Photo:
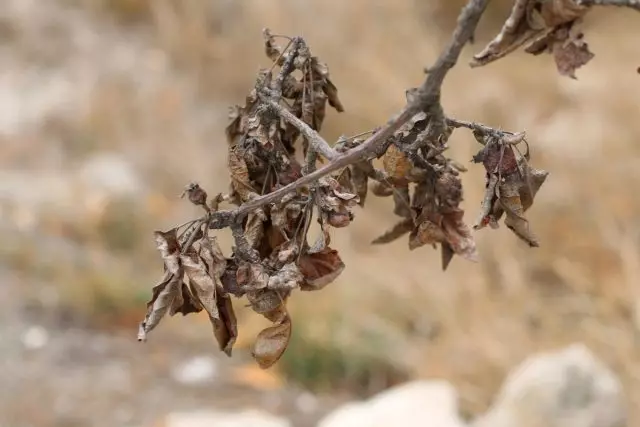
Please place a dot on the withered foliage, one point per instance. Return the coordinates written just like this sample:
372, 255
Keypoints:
279, 197
540, 26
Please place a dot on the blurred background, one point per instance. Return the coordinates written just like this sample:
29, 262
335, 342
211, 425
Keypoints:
109, 107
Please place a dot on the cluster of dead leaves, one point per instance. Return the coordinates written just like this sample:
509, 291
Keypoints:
511, 184
272, 256
426, 189
542, 26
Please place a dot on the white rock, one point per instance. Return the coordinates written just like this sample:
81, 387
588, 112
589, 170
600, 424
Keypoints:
196, 370
566, 388
35, 337
417, 403
247, 418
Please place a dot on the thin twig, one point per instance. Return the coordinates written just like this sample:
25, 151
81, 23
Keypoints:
633, 4
427, 98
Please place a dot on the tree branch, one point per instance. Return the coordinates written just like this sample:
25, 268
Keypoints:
318, 143
425, 98
633, 4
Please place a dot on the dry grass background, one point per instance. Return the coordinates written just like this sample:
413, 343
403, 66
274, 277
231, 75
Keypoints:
392, 310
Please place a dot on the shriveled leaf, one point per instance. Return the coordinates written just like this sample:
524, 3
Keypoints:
271, 343
401, 202
272, 50
167, 245
254, 228
225, 328
186, 304
529, 21
251, 277
396, 164
398, 230
381, 190
240, 182
458, 235
512, 204
203, 285
320, 268
571, 55
359, 180
447, 254
288, 277
265, 300
212, 255
487, 202
321, 70
426, 233
164, 294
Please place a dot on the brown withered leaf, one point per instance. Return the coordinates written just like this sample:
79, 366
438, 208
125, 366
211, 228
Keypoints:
272, 50
458, 235
568, 47
510, 201
321, 70
398, 230
169, 289
320, 268
427, 232
240, 182
381, 189
528, 21
165, 293
360, 183
287, 278
251, 277
271, 343
254, 228
396, 164
265, 300
571, 55
225, 329
203, 285
211, 254
186, 304
335, 202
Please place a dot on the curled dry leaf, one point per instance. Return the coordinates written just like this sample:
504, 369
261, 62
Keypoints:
225, 328
271, 343
203, 285
240, 182
320, 268
167, 294
533, 23
287, 278
568, 48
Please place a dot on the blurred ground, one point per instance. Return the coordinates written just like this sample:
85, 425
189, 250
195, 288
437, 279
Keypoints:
109, 107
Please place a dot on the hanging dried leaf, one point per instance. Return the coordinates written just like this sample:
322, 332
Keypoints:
186, 304
568, 47
287, 278
240, 182
320, 268
202, 284
225, 329
254, 228
400, 229
458, 235
212, 256
169, 289
530, 22
396, 164
271, 343
426, 233
251, 277
265, 300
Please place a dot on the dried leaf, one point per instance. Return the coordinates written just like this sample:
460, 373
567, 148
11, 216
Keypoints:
265, 300
164, 294
287, 278
320, 268
251, 277
571, 55
254, 228
426, 233
186, 304
400, 229
271, 343
225, 329
240, 182
511, 202
169, 289
212, 255
396, 164
202, 284
530, 21
458, 235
